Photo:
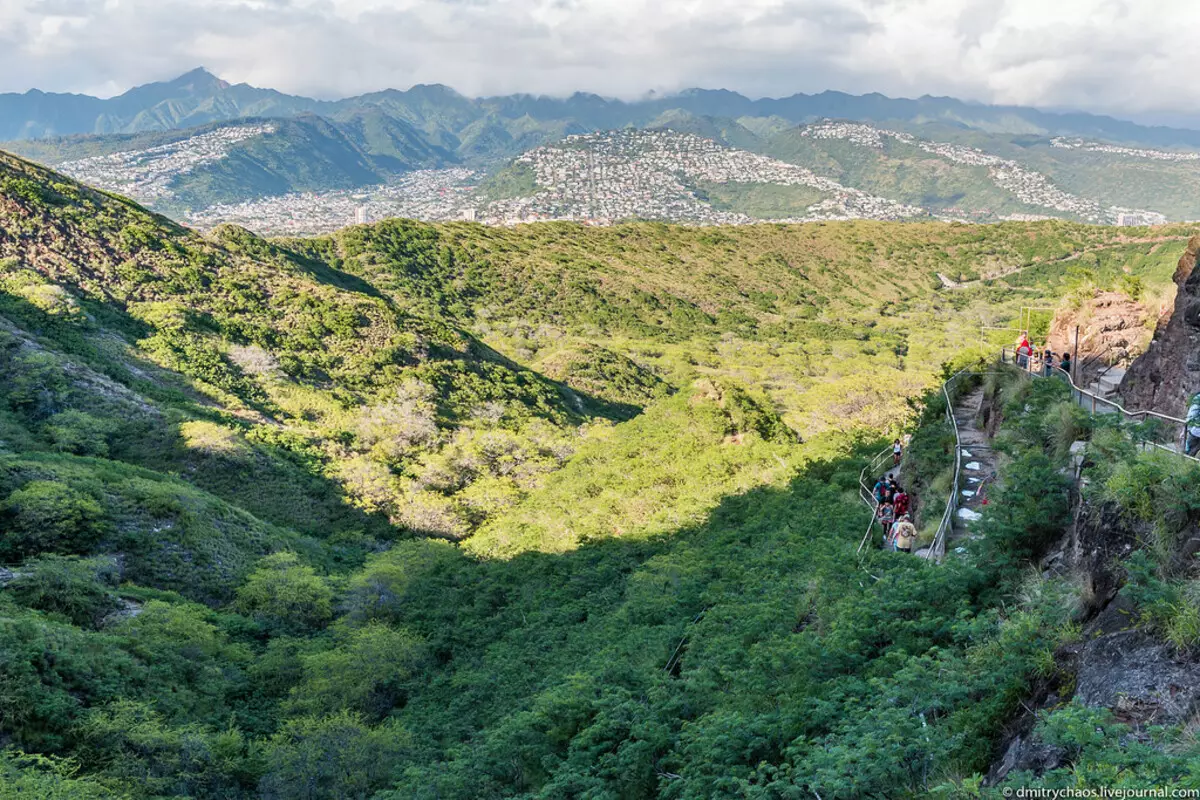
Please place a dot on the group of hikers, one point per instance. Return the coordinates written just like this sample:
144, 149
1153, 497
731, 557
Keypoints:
1030, 357
893, 511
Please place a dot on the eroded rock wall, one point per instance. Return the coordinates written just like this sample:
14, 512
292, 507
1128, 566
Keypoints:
1168, 373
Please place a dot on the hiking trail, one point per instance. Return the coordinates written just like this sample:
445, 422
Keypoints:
979, 462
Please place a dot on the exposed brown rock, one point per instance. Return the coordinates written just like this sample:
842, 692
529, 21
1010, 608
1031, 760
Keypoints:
1114, 329
1169, 372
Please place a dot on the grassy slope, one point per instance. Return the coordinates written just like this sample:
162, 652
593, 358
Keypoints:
677, 594
1118, 180
822, 317
294, 376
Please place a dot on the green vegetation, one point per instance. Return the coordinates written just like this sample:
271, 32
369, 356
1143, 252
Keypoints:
418, 511
902, 172
514, 180
759, 200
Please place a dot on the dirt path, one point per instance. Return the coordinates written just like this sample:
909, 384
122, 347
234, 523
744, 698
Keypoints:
949, 283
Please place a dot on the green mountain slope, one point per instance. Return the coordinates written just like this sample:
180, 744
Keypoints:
332, 146
230, 163
303, 370
902, 172
417, 511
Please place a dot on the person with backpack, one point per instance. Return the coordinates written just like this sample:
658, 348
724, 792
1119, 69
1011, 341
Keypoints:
897, 451
886, 515
1065, 365
900, 502
906, 535
1047, 363
879, 490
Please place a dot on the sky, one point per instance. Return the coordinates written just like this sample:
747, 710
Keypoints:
1131, 58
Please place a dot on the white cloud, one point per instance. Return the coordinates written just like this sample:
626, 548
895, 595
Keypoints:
1117, 56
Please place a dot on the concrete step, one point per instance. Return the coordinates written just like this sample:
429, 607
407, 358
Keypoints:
1110, 380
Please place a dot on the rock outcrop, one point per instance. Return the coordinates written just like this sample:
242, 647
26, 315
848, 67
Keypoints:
1113, 328
1113, 665
1169, 372
1141, 679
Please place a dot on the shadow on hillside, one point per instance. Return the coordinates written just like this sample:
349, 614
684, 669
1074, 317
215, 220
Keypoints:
277, 482
323, 273
193, 438
718, 604
812, 525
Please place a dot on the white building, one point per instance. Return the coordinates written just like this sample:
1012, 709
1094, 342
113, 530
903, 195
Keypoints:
362, 215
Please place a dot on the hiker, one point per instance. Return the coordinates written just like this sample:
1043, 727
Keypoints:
900, 502
897, 451
885, 514
1047, 363
880, 487
1065, 364
1023, 351
906, 535
1191, 435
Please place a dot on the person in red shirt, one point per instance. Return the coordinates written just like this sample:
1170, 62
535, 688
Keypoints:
900, 502
1024, 351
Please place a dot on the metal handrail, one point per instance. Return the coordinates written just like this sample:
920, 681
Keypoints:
938, 545
937, 548
866, 494
1078, 395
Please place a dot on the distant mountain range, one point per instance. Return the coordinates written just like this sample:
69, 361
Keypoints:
206, 151
454, 121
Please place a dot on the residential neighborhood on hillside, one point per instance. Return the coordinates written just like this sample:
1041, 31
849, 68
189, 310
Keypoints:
147, 174
1027, 185
598, 178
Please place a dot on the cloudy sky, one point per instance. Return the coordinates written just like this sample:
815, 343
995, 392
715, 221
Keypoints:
1127, 57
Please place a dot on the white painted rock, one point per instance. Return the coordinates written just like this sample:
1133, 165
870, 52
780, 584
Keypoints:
969, 515
967, 493
974, 480
974, 466
966, 453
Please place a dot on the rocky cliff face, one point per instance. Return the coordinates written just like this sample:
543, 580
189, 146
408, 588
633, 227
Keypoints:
1112, 328
1169, 372
1142, 680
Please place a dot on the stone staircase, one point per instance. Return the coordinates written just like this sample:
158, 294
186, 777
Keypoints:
1108, 383
978, 466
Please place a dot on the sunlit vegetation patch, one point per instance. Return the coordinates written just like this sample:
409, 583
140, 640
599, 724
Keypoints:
447, 511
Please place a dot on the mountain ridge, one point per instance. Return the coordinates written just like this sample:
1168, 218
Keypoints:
36, 114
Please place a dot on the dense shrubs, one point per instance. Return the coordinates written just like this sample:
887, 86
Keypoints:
251, 444
80, 590
46, 516
286, 594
